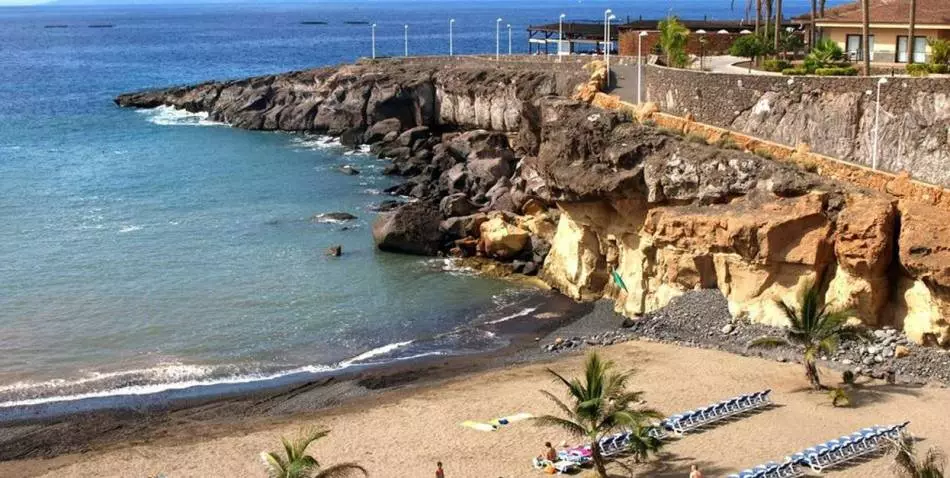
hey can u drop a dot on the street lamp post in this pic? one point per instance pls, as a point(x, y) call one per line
point(509, 39)
point(607, 46)
point(498, 39)
point(640, 66)
point(451, 24)
point(607, 13)
point(406, 40)
point(560, 35)
point(374, 41)
point(877, 123)
point(702, 47)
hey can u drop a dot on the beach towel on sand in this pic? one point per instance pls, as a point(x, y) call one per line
point(482, 427)
point(498, 422)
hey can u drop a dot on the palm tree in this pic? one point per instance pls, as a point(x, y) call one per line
point(768, 19)
point(599, 404)
point(907, 465)
point(865, 36)
point(815, 328)
point(778, 23)
point(911, 31)
point(811, 24)
point(673, 37)
point(297, 464)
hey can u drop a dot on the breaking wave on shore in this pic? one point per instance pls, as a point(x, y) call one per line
point(171, 116)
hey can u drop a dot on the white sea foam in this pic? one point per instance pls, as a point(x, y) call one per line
point(520, 313)
point(450, 265)
point(316, 142)
point(324, 219)
point(373, 191)
point(171, 116)
point(170, 377)
point(129, 228)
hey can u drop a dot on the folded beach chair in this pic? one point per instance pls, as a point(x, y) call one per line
point(683, 422)
point(835, 452)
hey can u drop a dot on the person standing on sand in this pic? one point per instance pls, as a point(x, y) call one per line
point(695, 473)
point(550, 454)
point(439, 473)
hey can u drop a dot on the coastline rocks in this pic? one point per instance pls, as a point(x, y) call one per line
point(386, 205)
point(410, 229)
point(501, 240)
point(387, 128)
point(348, 170)
point(457, 204)
point(463, 226)
point(333, 217)
point(335, 251)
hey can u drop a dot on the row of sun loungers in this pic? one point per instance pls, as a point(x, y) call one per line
point(680, 423)
point(693, 419)
point(828, 454)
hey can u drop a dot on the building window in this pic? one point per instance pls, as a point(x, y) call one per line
point(853, 46)
point(920, 49)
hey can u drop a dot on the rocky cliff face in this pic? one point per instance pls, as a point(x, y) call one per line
point(471, 94)
point(666, 215)
point(502, 166)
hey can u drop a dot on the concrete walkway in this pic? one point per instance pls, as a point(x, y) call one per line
point(624, 82)
point(727, 64)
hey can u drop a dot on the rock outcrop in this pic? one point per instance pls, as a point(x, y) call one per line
point(499, 164)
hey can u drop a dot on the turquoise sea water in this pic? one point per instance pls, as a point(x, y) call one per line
point(146, 250)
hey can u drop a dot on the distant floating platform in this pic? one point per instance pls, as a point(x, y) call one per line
point(356, 23)
point(103, 25)
point(313, 23)
point(55, 26)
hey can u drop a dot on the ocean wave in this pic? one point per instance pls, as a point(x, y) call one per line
point(129, 228)
point(171, 116)
point(450, 265)
point(520, 313)
point(316, 142)
point(176, 376)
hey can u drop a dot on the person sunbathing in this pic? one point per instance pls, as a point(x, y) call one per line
point(550, 454)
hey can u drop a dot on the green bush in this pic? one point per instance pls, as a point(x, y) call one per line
point(776, 65)
point(727, 142)
point(939, 51)
point(696, 138)
point(918, 69)
point(939, 69)
point(837, 71)
point(826, 53)
point(673, 38)
point(649, 122)
point(798, 70)
point(763, 153)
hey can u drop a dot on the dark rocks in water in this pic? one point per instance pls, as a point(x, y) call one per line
point(352, 137)
point(457, 205)
point(381, 130)
point(386, 206)
point(411, 136)
point(463, 226)
point(335, 251)
point(334, 217)
point(348, 170)
point(411, 229)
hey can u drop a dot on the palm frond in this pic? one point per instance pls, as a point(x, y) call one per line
point(342, 470)
point(567, 425)
point(561, 405)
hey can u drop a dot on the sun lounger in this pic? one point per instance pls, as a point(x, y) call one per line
point(684, 422)
point(559, 466)
point(828, 454)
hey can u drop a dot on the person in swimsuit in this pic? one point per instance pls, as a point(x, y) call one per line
point(695, 473)
point(550, 454)
point(439, 473)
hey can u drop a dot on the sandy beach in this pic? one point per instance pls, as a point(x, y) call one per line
point(402, 433)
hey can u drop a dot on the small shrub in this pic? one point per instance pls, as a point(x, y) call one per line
point(696, 138)
point(839, 398)
point(809, 165)
point(939, 69)
point(649, 122)
point(918, 69)
point(776, 65)
point(847, 377)
point(670, 131)
point(837, 71)
point(797, 71)
point(727, 142)
point(825, 53)
point(763, 153)
point(939, 51)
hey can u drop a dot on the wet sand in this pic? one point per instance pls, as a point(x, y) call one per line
point(402, 432)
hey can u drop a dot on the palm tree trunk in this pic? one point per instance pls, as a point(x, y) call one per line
point(910, 33)
point(821, 14)
point(778, 22)
point(811, 372)
point(768, 18)
point(865, 38)
point(598, 459)
point(811, 26)
point(758, 15)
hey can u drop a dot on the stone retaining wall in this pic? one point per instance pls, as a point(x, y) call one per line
point(832, 116)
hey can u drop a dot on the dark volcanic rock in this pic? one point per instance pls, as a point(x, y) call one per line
point(335, 251)
point(457, 205)
point(348, 170)
point(463, 226)
point(387, 205)
point(333, 217)
point(411, 229)
point(381, 130)
point(352, 137)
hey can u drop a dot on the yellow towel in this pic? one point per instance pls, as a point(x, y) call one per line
point(482, 427)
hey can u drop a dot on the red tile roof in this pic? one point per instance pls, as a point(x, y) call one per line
point(929, 12)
